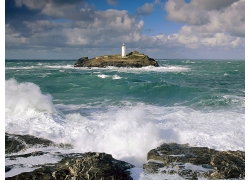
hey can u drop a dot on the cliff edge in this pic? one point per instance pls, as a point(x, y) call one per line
point(133, 59)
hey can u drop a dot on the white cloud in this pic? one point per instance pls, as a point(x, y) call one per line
point(147, 8)
point(112, 2)
point(107, 27)
point(78, 36)
point(221, 39)
point(225, 16)
point(179, 11)
point(43, 26)
point(211, 4)
point(209, 23)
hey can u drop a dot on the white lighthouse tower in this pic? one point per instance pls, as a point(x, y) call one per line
point(123, 50)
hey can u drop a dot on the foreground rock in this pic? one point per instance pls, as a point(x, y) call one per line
point(133, 59)
point(77, 166)
point(89, 166)
point(194, 162)
point(187, 162)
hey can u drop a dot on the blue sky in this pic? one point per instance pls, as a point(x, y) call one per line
point(162, 29)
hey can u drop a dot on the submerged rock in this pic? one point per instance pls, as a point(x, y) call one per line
point(133, 59)
point(194, 162)
point(89, 166)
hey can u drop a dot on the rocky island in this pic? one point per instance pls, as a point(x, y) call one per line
point(133, 59)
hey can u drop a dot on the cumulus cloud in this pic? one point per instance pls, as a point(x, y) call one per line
point(41, 26)
point(225, 16)
point(70, 25)
point(209, 23)
point(112, 2)
point(180, 11)
point(221, 39)
point(211, 4)
point(147, 8)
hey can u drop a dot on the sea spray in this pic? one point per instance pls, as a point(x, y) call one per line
point(28, 111)
point(25, 96)
point(125, 133)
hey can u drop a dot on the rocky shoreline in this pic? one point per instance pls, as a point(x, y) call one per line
point(188, 162)
point(133, 59)
point(208, 163)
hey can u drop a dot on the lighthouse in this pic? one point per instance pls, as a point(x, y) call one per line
point(123, 50)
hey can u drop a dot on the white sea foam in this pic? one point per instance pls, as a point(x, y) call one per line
point(24, 164)
point(116, 77)
point(29, 111)
point(103, 76)
point(68, 66)
point(24, 67)
point(166, 68)
point(18, 170)
point(138, 173)
point(40, 65)
point(24, 96)
point(145, 69)
point(127, 132)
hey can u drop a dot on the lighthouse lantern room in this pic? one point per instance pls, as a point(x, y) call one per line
point(123, 50)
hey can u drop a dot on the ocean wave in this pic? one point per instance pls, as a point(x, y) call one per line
point(40, 65)
point(116, 77)
point(152, 69)
point(103, 76)
point(24, 67)
point(139, 70)
point(127, 130)
point(68, 66)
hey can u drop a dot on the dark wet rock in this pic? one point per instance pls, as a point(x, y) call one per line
point(194, 162)
point(15, 143)
point(8, 168)
point(80, 61)
point(36, 153)
point(89, 166)
point(133, 59)
point(70, 166)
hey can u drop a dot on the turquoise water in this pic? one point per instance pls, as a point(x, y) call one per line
point(127, 112)
point(205, 84)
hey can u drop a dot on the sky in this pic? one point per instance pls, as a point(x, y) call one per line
point(161, 29)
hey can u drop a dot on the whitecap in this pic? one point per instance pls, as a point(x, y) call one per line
point(102, 76)
point(116, 77)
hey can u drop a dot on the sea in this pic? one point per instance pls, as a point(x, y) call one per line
point(125, 112)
